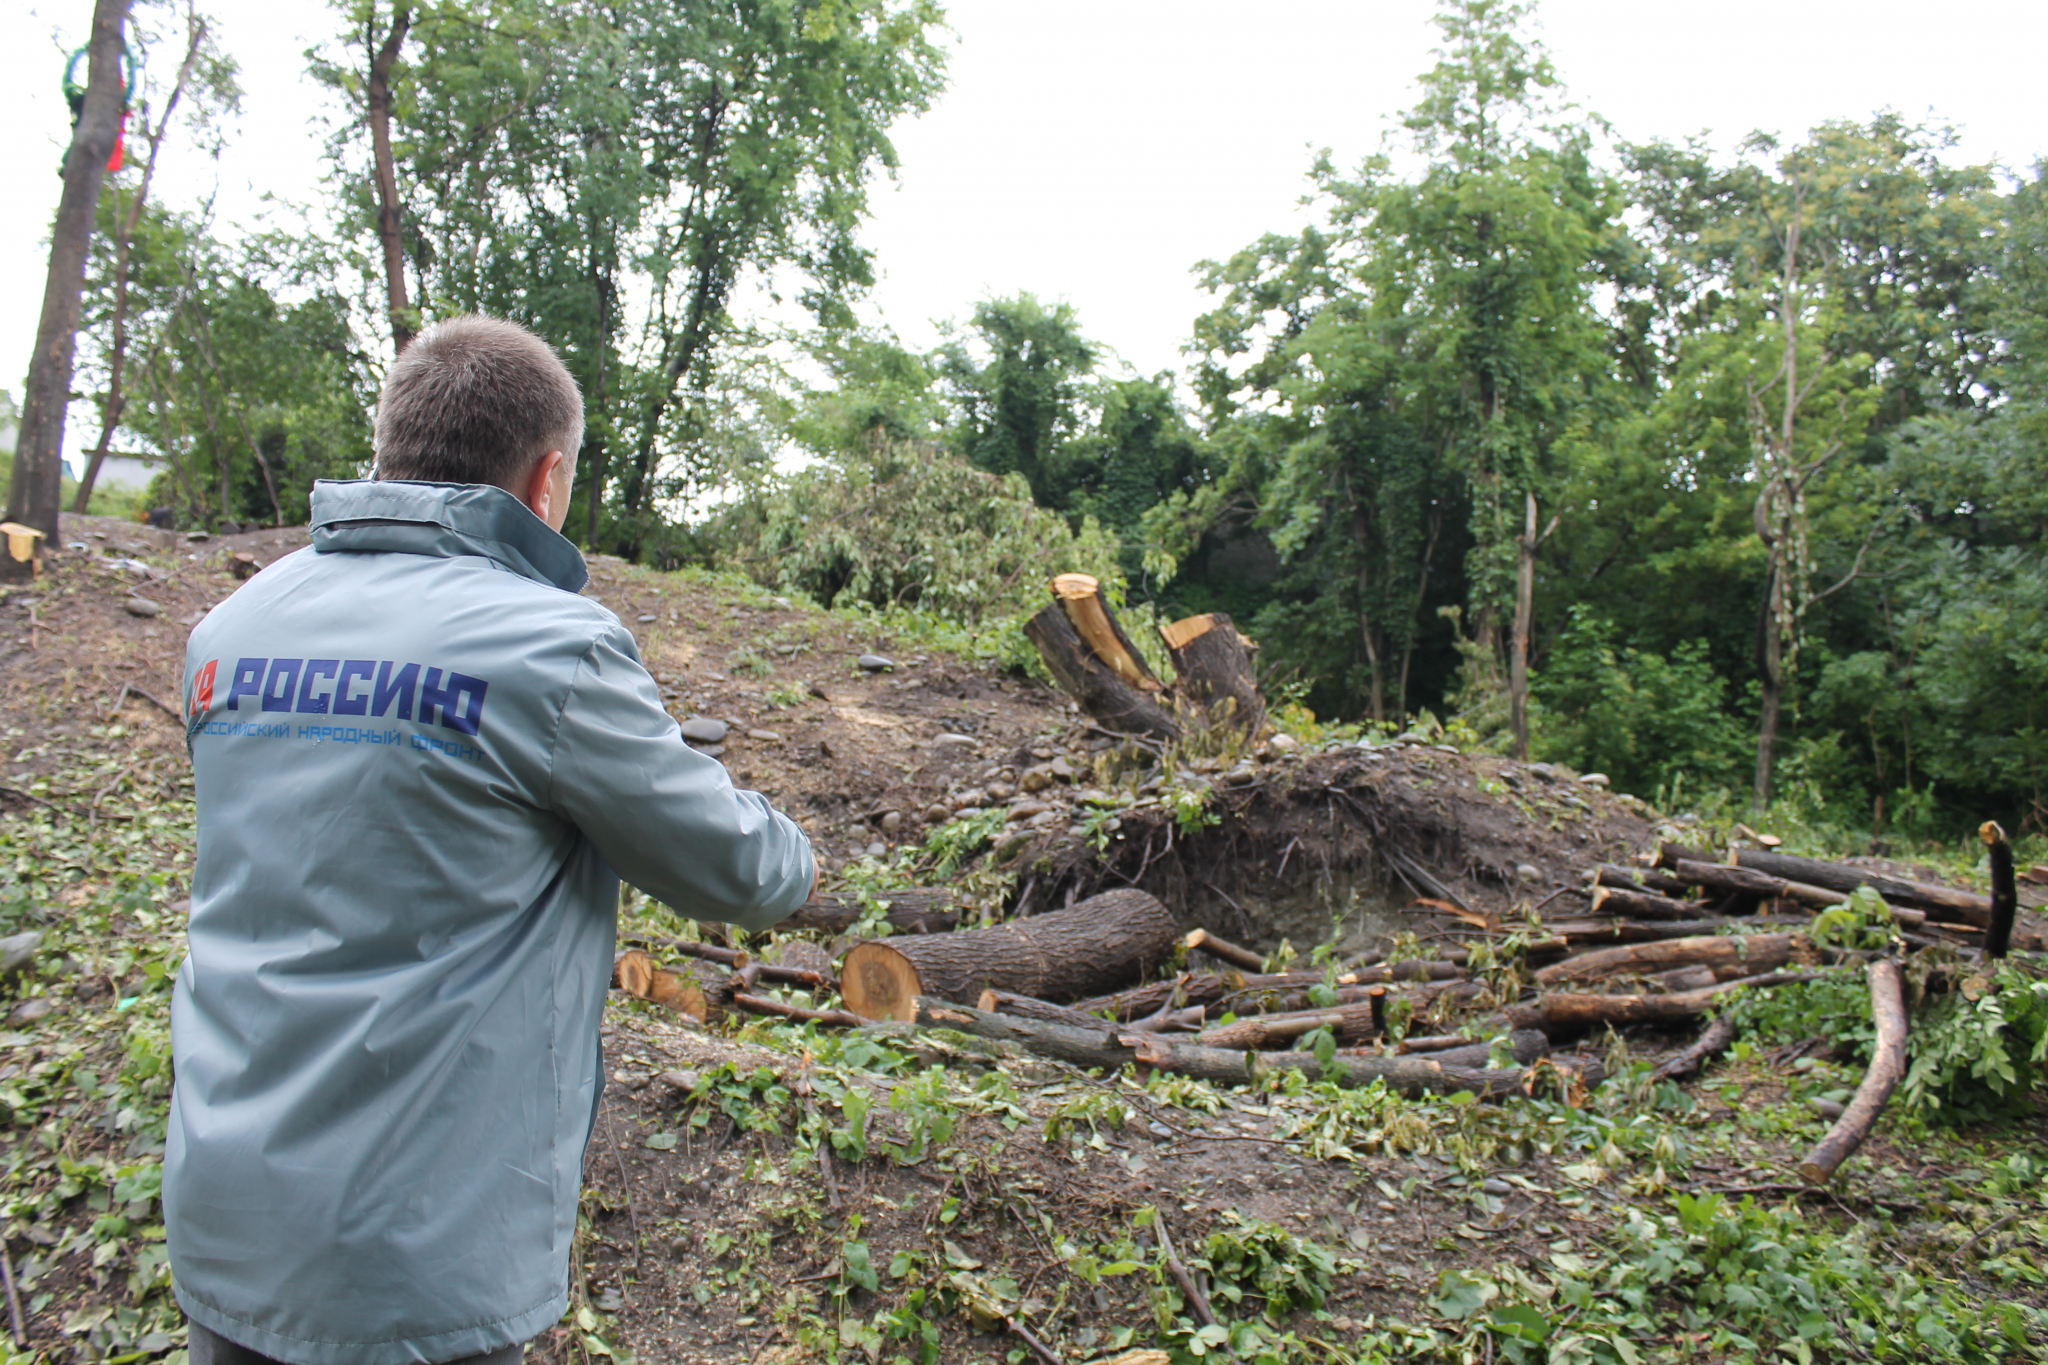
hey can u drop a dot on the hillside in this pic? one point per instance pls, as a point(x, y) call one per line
point(760, 1190)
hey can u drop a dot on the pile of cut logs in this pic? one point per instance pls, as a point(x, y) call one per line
point(1072, 985)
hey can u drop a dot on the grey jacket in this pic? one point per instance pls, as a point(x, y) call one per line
point(423, 765)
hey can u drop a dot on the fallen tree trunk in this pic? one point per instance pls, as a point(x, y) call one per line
point(1114, 937)
point(1214, 664)
point(1722, 877)
point(1110, 1050)
point(1629, 879)
point(1188, 988)
point(1029, 1007)
point(1728, 957)
point(1887, 1065)
point(1095, 663)
point(909, 912)
point(1528, 1046)
point(1579, 932)
point(1966, 906)
point(1562, 1013)
point(1351, 1023)
point(1678, 1065)
point(696, 991)
point(1616, 900)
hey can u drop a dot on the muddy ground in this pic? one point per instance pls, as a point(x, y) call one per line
point(740, 1205)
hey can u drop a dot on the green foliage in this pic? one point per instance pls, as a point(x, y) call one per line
point(1978, 1049)
point(1020, 399)
point(611, 175)
point(908, 526)
point(1646, 719)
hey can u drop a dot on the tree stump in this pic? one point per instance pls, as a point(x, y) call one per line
point(1096, 664)
point(1215, 667)
point(1097, 944)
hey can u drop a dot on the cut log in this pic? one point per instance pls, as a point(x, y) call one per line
point(1201, 940)
point(1711, 1043)
point(1616, 900)
point(1528, 1046)
point(1350, 1024)
point(1721, 877)
point(1215, 667)
point(1887, 1066)
point(1100, 942)
point(1581, 932)
point(1630, 879)
point(1728, 957)
point(909, 912)
point(801, 955)
point(693, 991)
point(1562, 1013)
point(1095, 663)
point(1946, 902)
point(1189, 988)
point(1029, 1007)
point(2005, 897)
point(1110, 1050)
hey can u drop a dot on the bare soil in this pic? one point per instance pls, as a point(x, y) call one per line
point(715, 1233)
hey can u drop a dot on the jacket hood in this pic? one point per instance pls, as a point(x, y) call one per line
point(397, 516)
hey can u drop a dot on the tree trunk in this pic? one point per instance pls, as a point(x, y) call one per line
point(1630, 879)
point(2005, 900)
point(1189, 988)
point(1966, 906)
point(1887, 1066)
point(1580, 932)
point(1525, 611)
point(696, 991)
point(117, 353)
point(1562, 1013)
point(1094, 662)
point(390, 220)
point(37, 490)
point(910, 912)
point(1351, 1024)
point(1614, 900)
point(1770, 680)
point(1028, 1007)
point(1527, 1045)
point(1111, 1051)
point(1728, 957)
point(1107, 939)
point(1215, 667)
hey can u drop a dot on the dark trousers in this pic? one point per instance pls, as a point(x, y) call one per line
point(211, 1348)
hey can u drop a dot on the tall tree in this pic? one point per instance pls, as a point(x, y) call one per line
point(611, 175)
point(218, 94)
point(38, 482)
point(1022, 399)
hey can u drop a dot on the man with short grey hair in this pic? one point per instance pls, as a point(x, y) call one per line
point(423, 764)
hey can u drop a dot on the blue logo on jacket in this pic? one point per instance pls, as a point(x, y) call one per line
point(356, 687)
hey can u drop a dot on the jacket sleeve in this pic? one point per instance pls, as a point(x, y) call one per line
point(667, 818)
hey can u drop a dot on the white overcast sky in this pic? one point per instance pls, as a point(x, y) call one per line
point(1094, 150)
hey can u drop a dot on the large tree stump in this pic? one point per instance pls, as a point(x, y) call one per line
point(1102, 942)
point(1096, 664)
point(1215, 667)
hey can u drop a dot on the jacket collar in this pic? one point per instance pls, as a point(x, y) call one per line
point(445, 520)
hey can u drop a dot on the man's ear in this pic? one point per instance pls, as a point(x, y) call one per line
point(539, 494)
